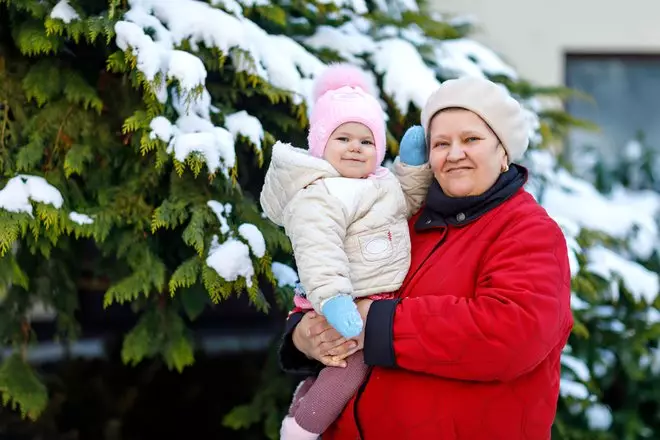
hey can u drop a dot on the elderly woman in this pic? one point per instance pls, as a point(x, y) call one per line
point(470, 348)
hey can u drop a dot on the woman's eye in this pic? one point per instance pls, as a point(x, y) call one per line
point(471, 139)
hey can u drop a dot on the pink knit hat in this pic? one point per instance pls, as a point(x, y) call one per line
point(341, 96)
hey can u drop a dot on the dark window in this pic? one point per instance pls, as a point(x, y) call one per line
point(623, 99)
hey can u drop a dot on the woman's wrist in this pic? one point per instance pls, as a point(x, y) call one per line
point(295, 338)
point(298, 342)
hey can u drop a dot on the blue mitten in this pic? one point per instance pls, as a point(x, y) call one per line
point(412, 148)
point(341, 312)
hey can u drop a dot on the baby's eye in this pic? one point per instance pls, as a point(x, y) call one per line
point(367, 142)
point(342, 139)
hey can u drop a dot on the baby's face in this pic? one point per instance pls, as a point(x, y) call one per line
point(351, 150)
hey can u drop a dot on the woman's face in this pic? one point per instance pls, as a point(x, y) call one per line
point(465, 154)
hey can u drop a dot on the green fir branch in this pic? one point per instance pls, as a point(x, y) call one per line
point(32, 40)
point(185, 275)
point(20, 387)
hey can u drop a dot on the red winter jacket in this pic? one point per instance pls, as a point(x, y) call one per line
point(471, 349)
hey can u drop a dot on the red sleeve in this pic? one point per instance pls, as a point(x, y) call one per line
point(520, 312)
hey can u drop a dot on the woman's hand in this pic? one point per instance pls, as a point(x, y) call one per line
point(363, 306)
point(317, 339)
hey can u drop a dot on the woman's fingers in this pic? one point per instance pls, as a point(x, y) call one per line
point(326, 348)
point(320, 326)
point(342, 349)
point(322, 342)
point(331, 361)
point(344, 354)
point(336, 356)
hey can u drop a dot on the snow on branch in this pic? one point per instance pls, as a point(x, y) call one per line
point(22, 189)
point(152, 29)
point(628, 216)
point(63, 11)
point(244, 124)
point(230, 258)
point(408, 78)
point(395, 54)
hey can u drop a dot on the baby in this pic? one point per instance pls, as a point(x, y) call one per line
point(346, 217)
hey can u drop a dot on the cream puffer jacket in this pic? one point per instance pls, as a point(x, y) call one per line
point(348, 235)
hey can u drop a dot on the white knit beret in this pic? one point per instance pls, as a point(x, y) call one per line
point(491, 102)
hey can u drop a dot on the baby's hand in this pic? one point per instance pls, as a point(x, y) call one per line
point(342, 313)
point(412, 148)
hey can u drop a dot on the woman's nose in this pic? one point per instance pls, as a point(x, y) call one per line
point(455, 152)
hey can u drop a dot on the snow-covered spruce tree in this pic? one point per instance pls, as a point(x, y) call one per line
point(139, 127)
point(109, 141)
point(621, 313)
point(612, 363)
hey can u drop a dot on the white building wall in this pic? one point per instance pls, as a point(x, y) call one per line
point(534, 35)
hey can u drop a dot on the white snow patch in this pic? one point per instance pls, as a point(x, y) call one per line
point(633, 150)
point(406, 78)
point(641, 282)
point(231, 260)
point(242, 123)
point(346, 39)
point(284, 274)
point(465, 57)
point(193, 134)
point(606, 360)
point(216, 146)
point(231, 6)
point(64, 12)
point(577, 366)
point(81, 219)
point(254, 237)
point(186, 68)
point(23, 189)
point(577, 303)
point(276, 58)
point(220, 211)
point(161, 128)
point(599, 417)
point(622, 215)
point(570, 388)
point(149, 55)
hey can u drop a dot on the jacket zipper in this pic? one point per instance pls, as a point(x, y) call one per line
point(366, 379)
point(355, 404)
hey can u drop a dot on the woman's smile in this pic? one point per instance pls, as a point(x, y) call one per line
point(458, 170)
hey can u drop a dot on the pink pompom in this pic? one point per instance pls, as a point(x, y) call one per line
point(339, 75)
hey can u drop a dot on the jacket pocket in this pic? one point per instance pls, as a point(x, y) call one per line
point(376, 246)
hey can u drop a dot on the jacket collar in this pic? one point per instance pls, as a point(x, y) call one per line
point(441, 210)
